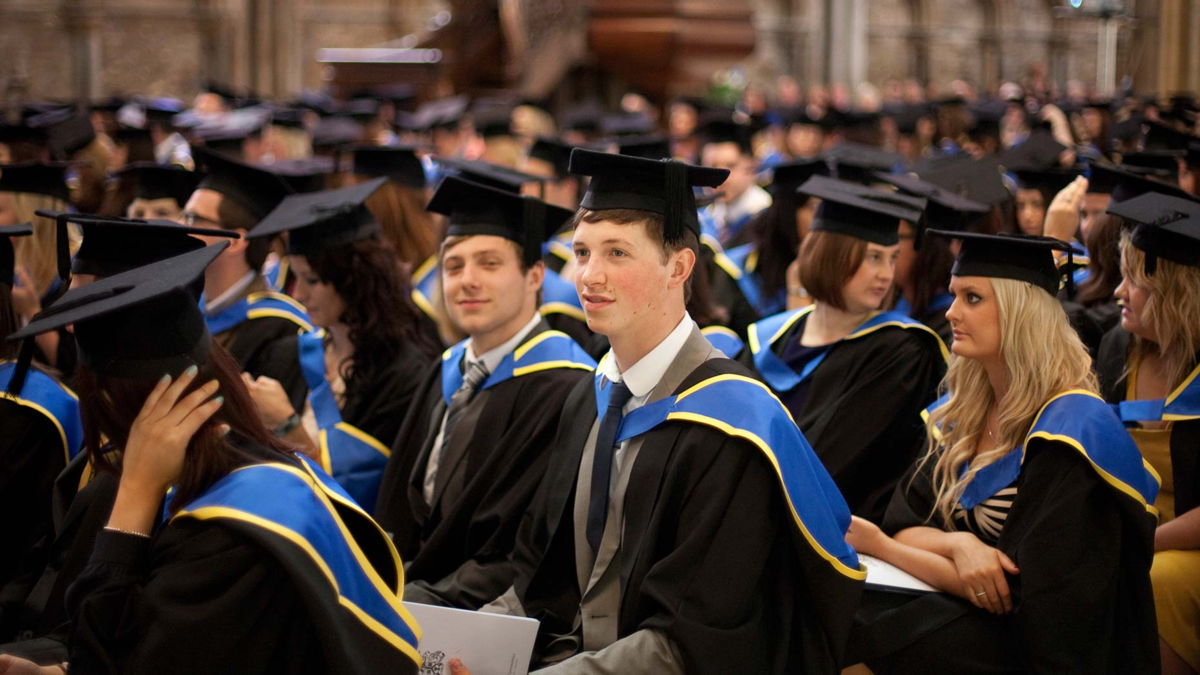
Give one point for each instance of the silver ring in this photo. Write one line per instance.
(980, 594)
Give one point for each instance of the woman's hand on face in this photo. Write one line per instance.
(865, 536)
(160, 435)
(270, 398)
(25, 298)
(981, 569)
(1062, 217)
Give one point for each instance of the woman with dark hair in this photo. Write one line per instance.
(365, 364)
(854, 378)
(257, 561)
(399, 204)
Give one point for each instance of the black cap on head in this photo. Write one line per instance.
(334, 132)
(322, 219)
(67, 131)
(860, 211)
(493, 175)
(141, 324)
(946, 209)
(304, 174)
(1165, 137)
(1038, 152)
(650, 146)
(627, 124)
(789, 176)
(978, 180)
(1008, 256)
(584, 117)
(491, 121)
(663, 186)
(722, 129)
(1161, 164)
(554, 152)
(398, 164)
(290, 118)
(253, 188)
(39, 178)
(476, 209)
(857, 162)
(1124, 185)
(444, 113)
(1165, 227)
(1050, 181)
(8, 260)
(155, 181)
(229, 135)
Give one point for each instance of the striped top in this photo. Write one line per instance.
(986, 519)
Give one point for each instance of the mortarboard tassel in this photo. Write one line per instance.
(675, 186)
(534, 219)
(17, 383)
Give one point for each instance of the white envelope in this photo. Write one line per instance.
(884, 576)
(487, 644)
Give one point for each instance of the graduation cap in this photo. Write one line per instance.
(255, 189)
(1165, 227)
(290, 118)
(858, 162)
(361, 110)
(584, 117)
(155, 181)
(906, 118)
(399, 164)
(1165, 137)
(316, 101)
(113, 245)
(723, 129)
(442, 114)
(110, 104)
(229, 135)
(322, 219)
(39, 178)
(491, 121)
(493, 175)
(627, 124)
(8, 259)
(142, 323)
(304, 174)
(650, 146)
(664, 186)
(946, 209)
(67, 130)
(789, 176)
(1008, 256)
(1125, 185)
(334, 132)
(1039, 151)
(476, 209)
(159, 109)
(977, 180)
(799, 116)
(1127, 129)
(21, 133)
(1049, 181)
(554, 152)
(860, 211)
(1163, 164)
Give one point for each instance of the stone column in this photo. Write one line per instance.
(1176, 45)
(846, 41)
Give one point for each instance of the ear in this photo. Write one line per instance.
(237, 247)
(681, 264)
(535, 276)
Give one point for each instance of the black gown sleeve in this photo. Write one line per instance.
(913, 502)
(199, 599)
(31, 456)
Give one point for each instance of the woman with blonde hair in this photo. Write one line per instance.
(1148, 366)
(1032, 511)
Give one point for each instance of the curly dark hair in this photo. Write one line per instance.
(379, 308)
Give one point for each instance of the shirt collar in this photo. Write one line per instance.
(492, 358)
(226, 300)
(752, 201)
(643, 376)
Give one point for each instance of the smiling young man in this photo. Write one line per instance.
(475, 443)
(684, 525)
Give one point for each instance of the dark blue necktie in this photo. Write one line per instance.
(606, 442)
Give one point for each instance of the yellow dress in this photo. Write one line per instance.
(1174, 574)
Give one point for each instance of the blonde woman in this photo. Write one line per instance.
(1032, 509)
(1148, 364)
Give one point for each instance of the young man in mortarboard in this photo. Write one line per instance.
(684, 524)
(727, 146)
(476, 441)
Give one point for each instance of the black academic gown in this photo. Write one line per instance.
(1082, 602)
(594, 344)
(216, 596)
(710, 555)
(1092, 323)
(457, 550)
(725, 291)
(31, 455)
(862, 414)
(33, 616)
(259, 345)
(1185, 434)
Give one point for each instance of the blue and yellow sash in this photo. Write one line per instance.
(544, 351)
(1083, 421)
(59, 404)
(725, 340)
(275, 273)
(559, 246)
(721, 258)
(298, 505)
(1180, 405)
(780, 375)
(559, 297)
(257, 306)
(746, 258)
(424, 282)
(352, 456)
(741, 407)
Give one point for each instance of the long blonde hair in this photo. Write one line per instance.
(39, 253)
(1043, 357)
(1172, 310)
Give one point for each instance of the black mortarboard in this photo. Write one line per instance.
(664, 186)
(800, 116)
(626, 124)
(946, 209)
(361, 109)
(554, 152)
(445, 113)
(584, 117)
(1050, 181)
(1165, 227)
(476, 209)
(1039, 151)
(906, 118)
(858, 162)
(398, 164)
(493, 175)
(21, 133)
(67, 130)
(860, 211)
(110, 104)
(114, 245)
(228, 136)
(39, 178)
(1161, 136)
(322, 219)
(649, 146)
(1162, 164)
(161, 110)
(1008, 256)
(142, 324)
(789, 176)
(255, 189)
(337, 131)
(722, 129)
(155, 181)
(1124, 185)
(978, 180)
(8, 259)
(1127, 129)
(291, 118)
(304, 174)
(491, 121)
(315, 101)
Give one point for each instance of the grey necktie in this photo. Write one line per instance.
(473, 379)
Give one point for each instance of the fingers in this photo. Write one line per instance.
(166, 403)
(457, 668)
(153, 398)
(1007, 563)
(191, 402)
(197, 417)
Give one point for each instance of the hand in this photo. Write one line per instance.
(160, 435)
(981, 570)
(865, 536)
(24, 295)
(457, 668)
(271, 400)
(1062, 218)
(11, 665)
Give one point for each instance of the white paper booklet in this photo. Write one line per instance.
(886, 576)
(487, 644)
